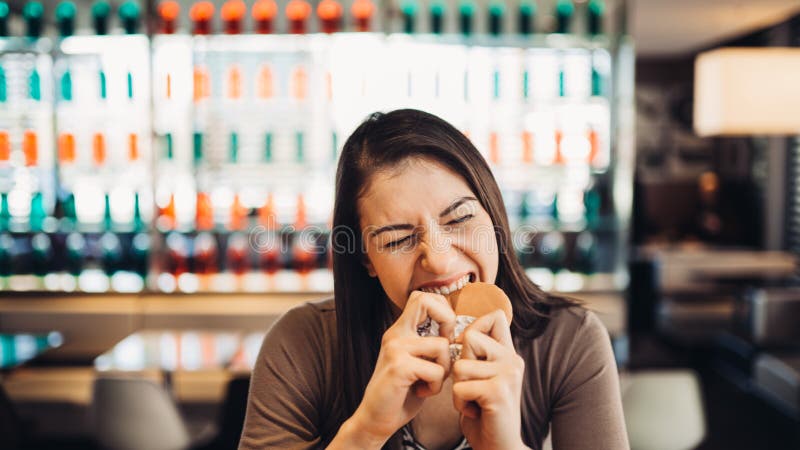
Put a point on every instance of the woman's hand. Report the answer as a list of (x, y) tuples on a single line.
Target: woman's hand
[(487, 384), (409, 368)]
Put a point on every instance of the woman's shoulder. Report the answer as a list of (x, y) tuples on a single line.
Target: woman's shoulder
[(322, 309), (567, 321), (574, 347), (312, 320)]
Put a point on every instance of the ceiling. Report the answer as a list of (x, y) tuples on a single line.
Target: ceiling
[(663, 28)]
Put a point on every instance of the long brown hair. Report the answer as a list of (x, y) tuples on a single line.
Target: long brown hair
[(363, 311)]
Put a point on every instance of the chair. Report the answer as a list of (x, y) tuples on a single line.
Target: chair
[(232, 415), (663, 410), (136, 414)]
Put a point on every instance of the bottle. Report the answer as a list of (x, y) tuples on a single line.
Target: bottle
[(65, 18), (76, 252), (409, 10), (232, 14), (527, 18), (177, 254), (564, 12), (168, 13), (496, 11), (466, 14), (201, 14), (237, 255), (41, 254), (140, 253), (267, 242), (129, 14), (595, 11), (5, 12), (101, 11), (33, 13), (303, 257), (111, 253), (297, 12), (264, 13), (205, 254), (330, 16), (362, 11), (438, 9)]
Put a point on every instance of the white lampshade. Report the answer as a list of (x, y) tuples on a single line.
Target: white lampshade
[(747, 91)]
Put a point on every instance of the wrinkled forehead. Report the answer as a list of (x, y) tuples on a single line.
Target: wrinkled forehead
[(403, 191)]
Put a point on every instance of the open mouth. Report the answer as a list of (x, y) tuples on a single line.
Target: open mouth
[(452, 287)]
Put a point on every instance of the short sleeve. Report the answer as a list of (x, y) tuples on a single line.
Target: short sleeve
[(283, 406), (587, 408)]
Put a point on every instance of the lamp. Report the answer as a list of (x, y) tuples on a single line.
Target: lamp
[(747, 91)]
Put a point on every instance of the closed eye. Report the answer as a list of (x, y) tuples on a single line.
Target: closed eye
[(461, 219), (398, 242)]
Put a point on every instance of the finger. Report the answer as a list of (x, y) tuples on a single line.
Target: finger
[(422, 305), (471, 369), (478, 346), (428, 377), (494, 324), (468, 396), (431, 348)]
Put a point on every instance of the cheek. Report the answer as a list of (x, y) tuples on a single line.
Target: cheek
[(478, 239), (480, 244), (394, 271)]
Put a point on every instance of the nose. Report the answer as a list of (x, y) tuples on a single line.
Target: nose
[(436, 253)]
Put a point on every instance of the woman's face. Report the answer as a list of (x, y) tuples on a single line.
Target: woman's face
[(424, 229)]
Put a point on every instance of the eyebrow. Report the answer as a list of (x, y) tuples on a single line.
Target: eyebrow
[(407, 226)]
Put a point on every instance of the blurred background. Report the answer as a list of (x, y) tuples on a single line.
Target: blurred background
[(167, 173)]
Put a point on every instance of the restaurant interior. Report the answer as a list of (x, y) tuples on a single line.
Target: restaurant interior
[(167, 179)]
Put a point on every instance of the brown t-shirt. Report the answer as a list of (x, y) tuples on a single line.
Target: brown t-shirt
[(570, 383)]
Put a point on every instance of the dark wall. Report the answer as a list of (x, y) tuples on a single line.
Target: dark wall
[(691, 188)]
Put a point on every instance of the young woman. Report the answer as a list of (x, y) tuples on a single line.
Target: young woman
[(418, 214)]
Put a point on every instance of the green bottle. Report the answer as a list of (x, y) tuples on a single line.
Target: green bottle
[(41, 254), (138, 222), (466, 14), (65, 18), (108, 222), (129, 16), (438, 9), (101, 11), (38, 214), (527, 18), (586, 253), (564, 11), (33, 13), (76, 246), (140, 249), (496, 11), (5, 11), (70, 218), (595, 11), (7, 244), (409, 10), (111, 250)]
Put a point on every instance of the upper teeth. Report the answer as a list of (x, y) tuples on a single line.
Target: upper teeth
[(445, 290)]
